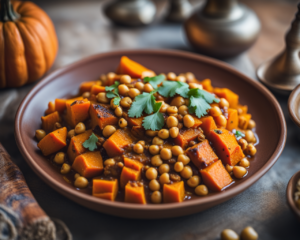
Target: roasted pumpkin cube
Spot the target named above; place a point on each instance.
(133, 164)
(51, 108)
(208, 124)
(89, 164)
(129, 174)
(242, 109)
(229, 95)
(97, 89)
(135, 194)
(233, 119)
(206, 83)
(138, 132)
(244, 121)
(60, 105)
(77, 111)
(101, 116)
(87, 86)
(133, 121)
(174, 192)
(49, 121)
(185, 136)
(53, 141)
(215, 176)
(226, 146)
(116, 144)
(106, 189)
(198, 122)
(202, 154)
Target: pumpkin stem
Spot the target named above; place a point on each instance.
(7, 12)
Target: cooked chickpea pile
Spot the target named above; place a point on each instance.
(248, 233)
(164, 162)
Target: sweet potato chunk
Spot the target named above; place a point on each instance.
(185, 136)
(53, 141)
(230, 96)
(129, 174)
(233, 119)
(60, 105)
(197, 122)
(51, 108)
(135, 194)
(133, 121)
(75, 147)
(215, 176)
(88, 164)
(133, 164)
(77, 111)
(102, 116)
(87, 86)
(97, 89)
(49, 121)
(244, 121)
(106, 189)
(226, 146)
(208, 124)
(117, 142)
(173, 192)
(202, 154)
(206, 83)
(242, 109)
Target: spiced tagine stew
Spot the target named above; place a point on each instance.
(138, 137)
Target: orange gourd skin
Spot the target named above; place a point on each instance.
(135, 194)
(173, 192)
(106, 189)
(28, 44)
(185, 136)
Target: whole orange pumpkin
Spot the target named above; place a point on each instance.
(28, 43)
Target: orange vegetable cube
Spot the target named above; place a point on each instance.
(185, 136)
(208, 124)
(202, 154)
(87, 86)
(49, 121)
(77, 111)
(129, 174)
(138, 132)
(242, 109)
(215, 176)
(133, 121)
(60, 105)
(174, 192)
(97, 89)
(230, 96)
(244, 121)
(88, 164)
(101, 116)
(206, 83)
(226, 146)
(51, 108)
(135, 194)
(53, 141)
(233, 119)
(133, 164)
(106, 189)
(197, 122)
(117, 142)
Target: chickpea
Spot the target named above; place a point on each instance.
(223, 103)
(201, 190)
(215, 111)
(77, 175)
(151, 173)
(177, 150)
(166, 154)
(108, 130)
(189, 76)
(101, 98)
(221, 121)
(188, 121)
(71, 133)
(123, 89)
(154, 185)
(125, 79)
(174, 131)
(156, 161)
(186, 172)
(140, 86)
(183, 110)
(244, 163)
(122, 123)
(249, 136)
(120, 164)
(119, 111)
(243, 143)
(40, 134)
(178, 166)
(59, 158)
(164, 168)
(249, 234)
(111, 76)
(157, 141)
(228, 234)
(126, 102)
(163, 133)
(177, 101)
(164, 107)
(138, 148)
(164, 178)
(239, 172)
(172, 110)
(251, 149)
(251, 124)
(112, 104)
(109, 162)
(172, 122)
(57, 125)
(65, 168)
(151, 133)
(181, 78)
(154, 149)
(229, 168)
(156, 197)
(171, 76)
(142, 143)
(81, 182)
(193, 181)
(79, 128)
(133, 92)
(242, 122)
(148, 88)
(183, 158)
(195, 85)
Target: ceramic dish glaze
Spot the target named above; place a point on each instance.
(290, 191)
(271, 126)
(294, 105)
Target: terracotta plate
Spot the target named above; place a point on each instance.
(271, 126)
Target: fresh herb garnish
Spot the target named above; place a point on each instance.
(142, 103)
(91, 142)
(170, 88)
(113, 88)
(238, 134)
(154, 81)
(155, 121)
(113, 92)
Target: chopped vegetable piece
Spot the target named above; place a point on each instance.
(129, 174)
(135, 194)
(229, 95)
(173, 192)
(185, 136)
(106, 189)
(133, 121)
(233, 119)
(208, 124)
(49, 121)
(197, 122)
(244, 121)
(77, 111)
(91, 142)
(97, 89)
(86, 86)
(60, 105)
(101, 116)
(51, 108)
(206, 83)
(133, 164)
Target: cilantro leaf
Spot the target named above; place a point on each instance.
(143, 102)
(91, 142)
(115, 96)
(238, 134)
(111, 95)
(155, 81)
(170, 88)
(155, 121)
(113, 87)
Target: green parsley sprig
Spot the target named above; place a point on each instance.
(142, 103)
(154, 81)
(113, 92)
(91, 142)
(170, 88)
(155, 121)
(238, 134)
